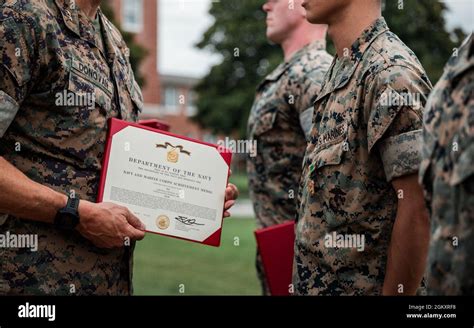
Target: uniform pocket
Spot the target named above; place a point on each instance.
(265, 122)
(331, 155)
(329, 147)
(324, 163)
(87, 93)
(323, 166)
(321, 194)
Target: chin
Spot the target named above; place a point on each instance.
(273, 37)
(314, 19)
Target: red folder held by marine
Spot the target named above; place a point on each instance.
(155, 124)
(276, 247)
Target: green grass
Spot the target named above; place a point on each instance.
(241, 181)
(162, 264)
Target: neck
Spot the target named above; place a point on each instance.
(89, 7)
(300, 37)
(345, 30)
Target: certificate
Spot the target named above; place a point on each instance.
(175, 185)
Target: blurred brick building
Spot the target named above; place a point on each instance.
(167, 98)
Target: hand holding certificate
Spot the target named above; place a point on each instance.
(175, 185)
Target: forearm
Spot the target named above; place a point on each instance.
(406, 258)
(25, 198)
(406, 255)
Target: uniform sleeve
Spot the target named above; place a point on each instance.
(18, 65)
(395, 119)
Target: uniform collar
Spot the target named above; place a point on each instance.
(275, 75)
(318, 45)
(76, 21)
(351, 62)
(465, 59)
(108, 43)
(313, 46)
(369, 35)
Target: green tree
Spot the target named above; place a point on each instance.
(421, 25)
(137, 52)
(226, 94)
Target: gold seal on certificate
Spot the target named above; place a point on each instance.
(175, 185)
(163, 222)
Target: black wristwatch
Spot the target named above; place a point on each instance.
(67, 218)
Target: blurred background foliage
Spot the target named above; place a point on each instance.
(226, 94)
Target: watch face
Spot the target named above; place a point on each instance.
(68, 217)
(68, 221)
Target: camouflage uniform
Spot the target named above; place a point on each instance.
(364, 135)
(447, 174)
(279, 119)
(49, 47)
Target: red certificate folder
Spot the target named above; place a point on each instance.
(115, 126)
(155, 124)
(276, 247)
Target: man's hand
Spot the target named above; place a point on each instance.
(108, 225)
(231, 194)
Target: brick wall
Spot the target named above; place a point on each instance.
(148, 39)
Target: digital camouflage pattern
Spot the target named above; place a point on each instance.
(48, 48)
(447, 175)
(282, 102)
(364, 135)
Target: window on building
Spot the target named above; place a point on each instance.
(171, 100)
(191, 108)
(132, 15)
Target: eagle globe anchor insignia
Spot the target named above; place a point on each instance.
(172, 155)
